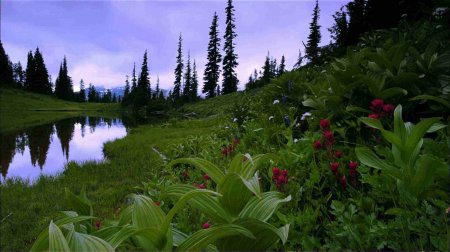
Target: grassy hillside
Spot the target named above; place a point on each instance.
(20, 109)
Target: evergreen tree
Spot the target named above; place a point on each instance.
(187, 80)
(41, 83)
(312, 46)
(194, 87)
(282, 67)
(126, 92)
(92, 96)
(267, 75)
(157, 91)
(82, 95)
(133, 80)
(212, 68)
(273, 68)
(19, 75)
(30, 72)
(178, 72)
(143, 86)
(339, 29)
(298, 64)
(6, 70)
(230, 80)
(63, 83)
(114, 98)
(356, 24)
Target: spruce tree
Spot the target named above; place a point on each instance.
(299, 62)
(266, 70)
(339, 29)
(282, 67)
(19, 75)
(356, 25)
(63, 83)
(194, 87)
(30, 72)
(143, 87)
(230, 80)
(187, 80)
(312, 46)
(82, 95)
(41, 82)
(157, 88)
(212, 67)
(178, 72)
(133, 80)
(6, 70)
(92, 97)
(126, 92)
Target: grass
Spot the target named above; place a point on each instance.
(20, 109)
(26, 210)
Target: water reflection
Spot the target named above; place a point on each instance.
(45, 149)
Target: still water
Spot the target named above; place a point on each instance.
(45, 149)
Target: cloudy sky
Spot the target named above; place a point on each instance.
(102, 39)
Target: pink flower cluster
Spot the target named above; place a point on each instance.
(280, 177)
(228, 151)
(380, 109)
(328, 137)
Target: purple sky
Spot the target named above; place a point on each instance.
(102, 39)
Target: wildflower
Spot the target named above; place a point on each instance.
(185, 175)
(343, 181)
(287, 121)
(276, 102)
(98, 224)
(206, 225)
(376, 105)
(224, 150)
(281, 180)
(206, 177)
(306, 114)
(325, 124)
(317, 145)
(374, 116)
(200, 186)
(334, 167)
(295, 140)
(338, 154)
(235, 119)
(235, 141)
(353, 165)
(329, 138)
(157, 203)
(275, 171)
(284, 173)
(388, 109)
(271, 118)
(230, 150)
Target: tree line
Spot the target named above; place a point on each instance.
(35, 78)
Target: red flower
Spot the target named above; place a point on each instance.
(353, 165)
(276, 171)
(377, 105)
(338, 154)
(235, 141)
(224, 151)
(98, 224)
(343, 181)
(374, 116)
(284, 173)
(200, 186)
(206, 225)
(206, 177)
(157, 203)
(317, 145)
(281, 180)
(334, 167)
(185, 175)
(388, 109)
(329, 138)
(230, 150)
(325, 124)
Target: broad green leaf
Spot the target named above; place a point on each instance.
(207, 204)
(394, 91)
(57, 241)
(367, 157)
(393, 139)
(266, 236)
(263, 208)
(373, 123)
(250, 166)
(202, 238)
(351, 108)
(236, 165)
(435, 127)
(178, 237)
(432, 98)
(116, 235)
(417, 133)
(428, 169)
(399, 125)
(125, 216)
(80, 204)
(209, 168)
(235, 193)
(85, 242)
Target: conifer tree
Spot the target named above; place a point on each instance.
(157, 91)
(133, 80)
(82, 95)
(114, 98)
(178, 72)
(282, 67)
(187, 80)
(339, 29)
(41, 83)
(92, 96)
(212, 67)
(63, 83)
(230, 80)
(143, 86)
(266, 70)
(30, 72)
(356, 23)
(6, 70)
(194, 87)
(299, 62)
(126, 91)
(312, 46)
(19, 75)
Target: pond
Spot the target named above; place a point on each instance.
(45, 149)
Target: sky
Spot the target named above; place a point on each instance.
(103, 39)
